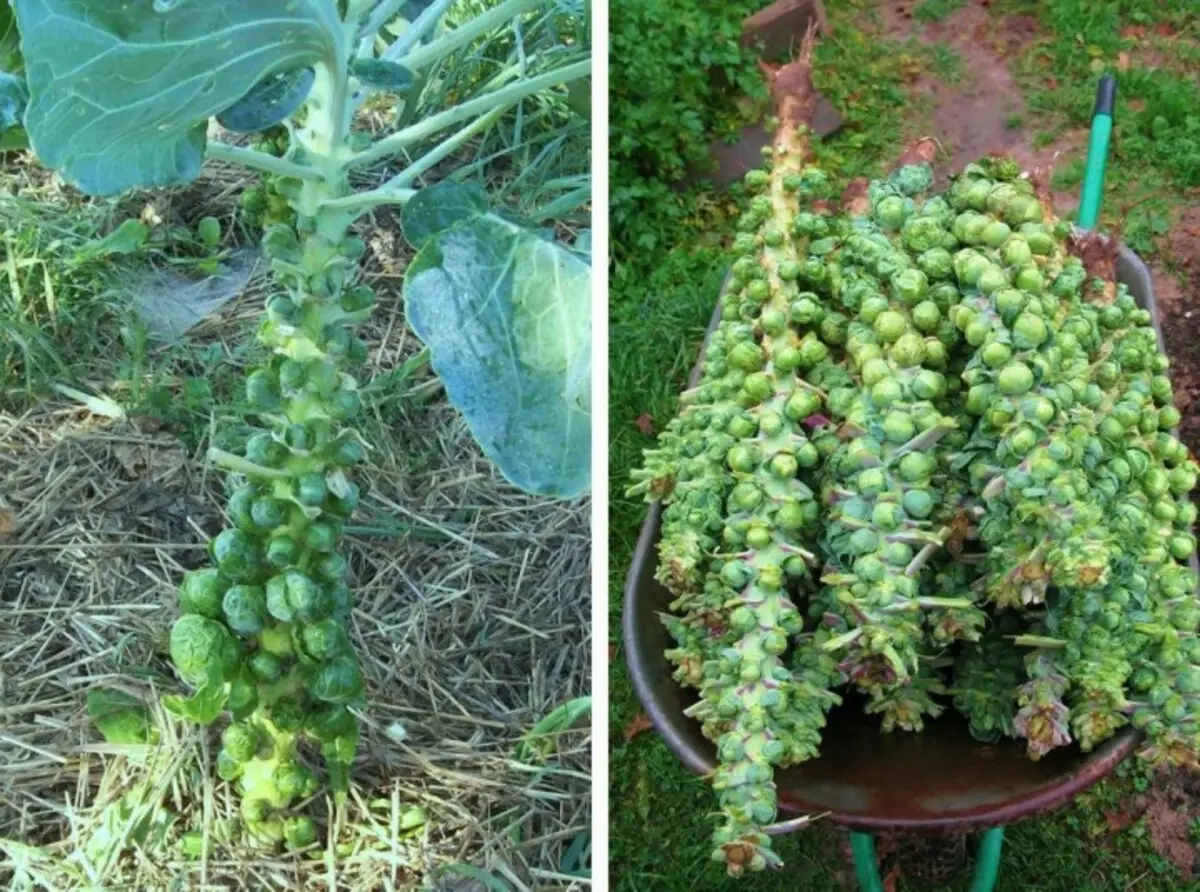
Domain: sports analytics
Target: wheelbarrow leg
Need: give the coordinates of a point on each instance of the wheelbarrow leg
(866, 869)
(987, 860)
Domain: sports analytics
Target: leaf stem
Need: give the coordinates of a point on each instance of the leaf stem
(444, 149)
(364, 201)
(255, 160)
(236, 463)
(421, 25)
(488, 102)
(414, 57)
(384, 13)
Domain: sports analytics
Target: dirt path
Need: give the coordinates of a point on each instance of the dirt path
(983, 112)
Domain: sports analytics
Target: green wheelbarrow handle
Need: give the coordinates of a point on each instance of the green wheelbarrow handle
(987, 861)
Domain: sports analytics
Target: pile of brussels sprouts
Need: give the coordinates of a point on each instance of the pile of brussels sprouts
(930, 460)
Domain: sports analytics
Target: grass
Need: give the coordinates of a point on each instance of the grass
(659, 309)
(935, 10)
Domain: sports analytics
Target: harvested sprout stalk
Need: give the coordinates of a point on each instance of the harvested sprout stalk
(929, 460)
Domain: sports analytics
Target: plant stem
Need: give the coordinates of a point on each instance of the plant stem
(507, 96)
(444, 149)
(220, 151)
(421, 25)
(461, 36)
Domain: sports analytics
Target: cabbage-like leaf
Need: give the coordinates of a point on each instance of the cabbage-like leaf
(204, 706)
(268, 102)
(121, 95)
(122, 719)
(10, 40)
(438, 207)
(506, 317)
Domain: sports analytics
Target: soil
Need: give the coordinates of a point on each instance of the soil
(1179, 311)
(1167, 810)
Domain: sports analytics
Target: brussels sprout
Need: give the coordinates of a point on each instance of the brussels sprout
(310, 489)
(200, 647)
(235, 554)
(245, 609)
(256, 811)
(267, 513)
(283, 550)
(201, 592)
(263, 449)
(926, 316)
(262, 391)
(228, 768)
(243, 696)
(918, 503)
(239, 507)
(337, 681)
(323, 640)
(1015, 379)
(908, 351)
(322, 536)
(240, 742)
(264, 666)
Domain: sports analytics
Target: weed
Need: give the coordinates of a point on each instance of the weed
(935, 10)
(947, 64)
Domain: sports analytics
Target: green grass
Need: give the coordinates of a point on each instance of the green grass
(66, 317)
(947, 64)
(660, 304)
(935, 10)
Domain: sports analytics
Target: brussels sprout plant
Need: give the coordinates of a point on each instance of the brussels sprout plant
(131, 95)
(930, 460)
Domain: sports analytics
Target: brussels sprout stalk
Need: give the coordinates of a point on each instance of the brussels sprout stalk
(276, 598)
(920, 427)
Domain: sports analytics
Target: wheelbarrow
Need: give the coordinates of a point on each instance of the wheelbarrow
(938, 782)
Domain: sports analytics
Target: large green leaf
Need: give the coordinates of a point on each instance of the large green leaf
(121, 95)
(506, 316)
